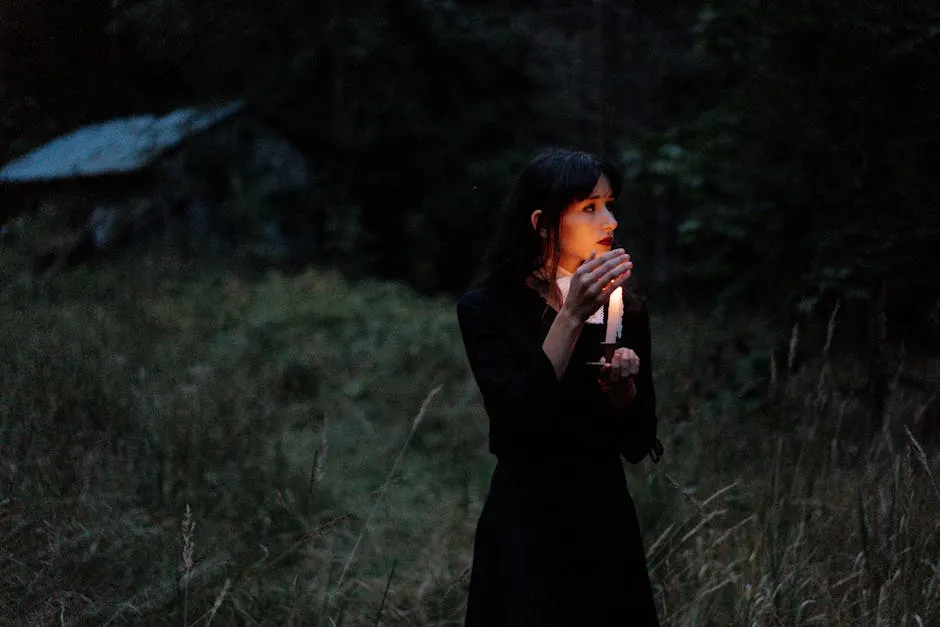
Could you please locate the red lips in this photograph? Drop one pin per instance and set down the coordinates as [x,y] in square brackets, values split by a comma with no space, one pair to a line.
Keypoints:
[607,241]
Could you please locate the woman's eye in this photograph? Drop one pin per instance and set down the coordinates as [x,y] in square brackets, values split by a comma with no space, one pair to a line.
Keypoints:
[589,208]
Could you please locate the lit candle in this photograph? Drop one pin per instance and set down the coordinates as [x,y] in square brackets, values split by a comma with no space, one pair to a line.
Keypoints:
[614,315]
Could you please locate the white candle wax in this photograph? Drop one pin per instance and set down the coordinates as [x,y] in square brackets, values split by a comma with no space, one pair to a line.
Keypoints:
[614,315]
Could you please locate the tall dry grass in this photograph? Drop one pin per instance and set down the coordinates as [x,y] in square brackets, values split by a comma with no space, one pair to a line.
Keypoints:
[789,515]
[184,445]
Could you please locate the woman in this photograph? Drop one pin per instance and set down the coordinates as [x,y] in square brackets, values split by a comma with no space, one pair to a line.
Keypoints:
[558,541]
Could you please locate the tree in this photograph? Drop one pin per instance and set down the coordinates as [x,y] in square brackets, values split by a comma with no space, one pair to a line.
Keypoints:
[806,182]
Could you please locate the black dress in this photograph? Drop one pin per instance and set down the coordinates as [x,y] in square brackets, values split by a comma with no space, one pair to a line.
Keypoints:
[557,543]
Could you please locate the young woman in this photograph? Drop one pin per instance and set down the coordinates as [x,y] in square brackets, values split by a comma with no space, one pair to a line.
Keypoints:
[558,541]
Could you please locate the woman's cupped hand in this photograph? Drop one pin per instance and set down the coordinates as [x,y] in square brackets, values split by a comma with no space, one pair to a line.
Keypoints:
[594,280]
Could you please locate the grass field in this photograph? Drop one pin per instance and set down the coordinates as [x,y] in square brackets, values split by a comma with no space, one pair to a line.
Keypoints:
[181,445]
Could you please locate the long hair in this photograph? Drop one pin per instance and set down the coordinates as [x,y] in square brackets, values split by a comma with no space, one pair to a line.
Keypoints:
[550,182]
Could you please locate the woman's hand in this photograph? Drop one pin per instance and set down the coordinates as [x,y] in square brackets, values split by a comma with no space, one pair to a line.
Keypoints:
[617,377]
[624,365]
[594,280]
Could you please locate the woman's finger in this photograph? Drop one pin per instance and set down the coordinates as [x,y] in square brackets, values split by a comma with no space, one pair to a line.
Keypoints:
[608,266]
[617,281]
[616,364]
[602,293]
[613,273]
[592,271]
[627,362]
[595,261]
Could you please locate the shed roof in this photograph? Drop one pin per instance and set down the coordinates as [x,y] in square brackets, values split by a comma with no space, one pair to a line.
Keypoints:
[113,147]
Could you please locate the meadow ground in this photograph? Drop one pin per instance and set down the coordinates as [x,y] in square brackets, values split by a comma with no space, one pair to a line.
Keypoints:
[183,445]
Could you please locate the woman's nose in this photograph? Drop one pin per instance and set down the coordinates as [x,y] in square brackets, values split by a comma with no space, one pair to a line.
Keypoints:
[610,222]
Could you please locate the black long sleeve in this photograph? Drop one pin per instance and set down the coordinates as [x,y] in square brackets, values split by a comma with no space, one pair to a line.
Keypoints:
[531,412]
[520,391]
[637,429]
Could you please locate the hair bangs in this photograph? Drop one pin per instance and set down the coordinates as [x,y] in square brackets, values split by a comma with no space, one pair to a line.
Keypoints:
[578,176]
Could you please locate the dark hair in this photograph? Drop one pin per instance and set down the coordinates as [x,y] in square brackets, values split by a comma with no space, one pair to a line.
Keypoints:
[550,182]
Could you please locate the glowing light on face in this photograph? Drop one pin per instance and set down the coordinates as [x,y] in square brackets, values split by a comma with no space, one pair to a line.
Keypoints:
[585,224]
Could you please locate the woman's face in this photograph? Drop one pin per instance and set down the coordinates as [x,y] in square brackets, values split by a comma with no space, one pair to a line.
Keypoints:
[587,226]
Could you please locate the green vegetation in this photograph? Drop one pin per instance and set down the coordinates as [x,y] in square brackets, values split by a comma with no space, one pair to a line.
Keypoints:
[184,444]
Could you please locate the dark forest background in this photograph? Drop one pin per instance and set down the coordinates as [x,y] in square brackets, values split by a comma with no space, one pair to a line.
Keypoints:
[777,154]
[781,206]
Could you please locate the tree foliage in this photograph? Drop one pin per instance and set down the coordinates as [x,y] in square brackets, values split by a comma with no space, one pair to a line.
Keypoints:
[809,179]
[778,155]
